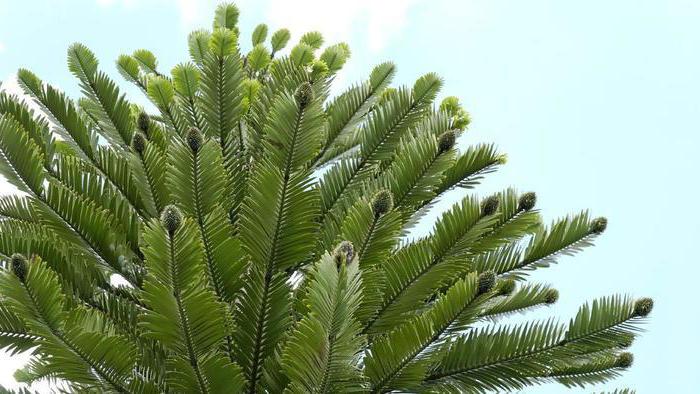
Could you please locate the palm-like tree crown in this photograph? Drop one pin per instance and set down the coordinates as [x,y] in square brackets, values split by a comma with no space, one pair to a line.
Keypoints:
[254,235]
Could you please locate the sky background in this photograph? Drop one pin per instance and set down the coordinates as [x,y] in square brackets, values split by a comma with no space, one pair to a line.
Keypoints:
[596,104]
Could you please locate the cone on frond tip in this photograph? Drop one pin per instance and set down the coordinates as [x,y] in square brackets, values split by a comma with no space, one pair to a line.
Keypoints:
[486,281]
[343,253]
[490,205]
[143,122]
[643,306]
[551,296]
[195,139]
[624,360]
[446,141]
[527,201]
[304,94]
[382,202]
[19,265]
[171,217]
[505,287]
[138,142]
[599,225]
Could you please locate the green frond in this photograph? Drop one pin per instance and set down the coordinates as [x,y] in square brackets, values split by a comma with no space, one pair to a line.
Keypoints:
[284,78]
[162,94]
[374,236]
[603,324]
[186,82]
[222,76]
[85,359]
[314,39]
[335,56]
[78,134]
[259,34]
[34,124]
[195,179]
[70,125]
[92,226]
[258,58]
[417,171]
[388,123]
[280,239]
[226,16]
[183,313]
[402,272]
[588,371]
[331,362]
[452,313]
[198,42]
[279,40]
[19,208]
[77,271]
[154,164]
[281,184]
[20,158]
[521,355]
[494,359]
[81,179]
[129,68]
[104,102]
[147,61]
[565,236]
[470,167]
[521,300]
[346,111]
[262,317]
[14,337]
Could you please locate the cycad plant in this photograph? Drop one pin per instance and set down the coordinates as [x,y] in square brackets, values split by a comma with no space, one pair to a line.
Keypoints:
[253,234]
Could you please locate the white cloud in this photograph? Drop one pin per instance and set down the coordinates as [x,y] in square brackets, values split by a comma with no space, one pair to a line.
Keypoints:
[336,20]
[2,47]
[381,20]
[127,3]
[193,13]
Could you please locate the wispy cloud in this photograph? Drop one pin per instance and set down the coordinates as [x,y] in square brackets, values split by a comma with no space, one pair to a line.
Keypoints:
[127,3]
[382,20]
[2,47]
[193,13]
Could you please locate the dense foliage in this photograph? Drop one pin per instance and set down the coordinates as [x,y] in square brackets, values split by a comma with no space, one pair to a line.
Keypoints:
[254,234]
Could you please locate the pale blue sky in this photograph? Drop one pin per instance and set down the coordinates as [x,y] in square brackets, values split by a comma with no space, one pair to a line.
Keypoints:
[596,104]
